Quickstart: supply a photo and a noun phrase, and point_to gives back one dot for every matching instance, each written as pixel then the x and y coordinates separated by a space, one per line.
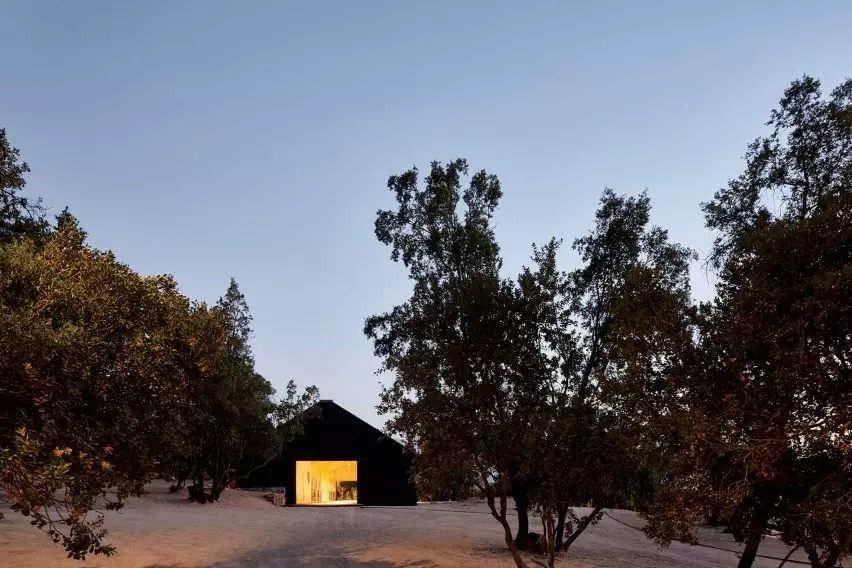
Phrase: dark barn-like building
pixel 340 460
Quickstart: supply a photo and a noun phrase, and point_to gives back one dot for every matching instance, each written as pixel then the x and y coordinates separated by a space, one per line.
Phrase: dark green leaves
pixel 109 378
pixel 753 417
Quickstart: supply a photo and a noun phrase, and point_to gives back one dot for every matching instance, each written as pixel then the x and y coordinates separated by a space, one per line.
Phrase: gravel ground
pixel 162 530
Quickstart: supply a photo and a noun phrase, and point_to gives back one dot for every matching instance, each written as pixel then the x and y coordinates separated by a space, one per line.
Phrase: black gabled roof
pixel 332 413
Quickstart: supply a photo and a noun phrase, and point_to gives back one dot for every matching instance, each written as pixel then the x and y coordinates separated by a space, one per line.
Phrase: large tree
pixel 109 379
pixel 589 455
pixel 89 379
pixel 503 374
pixel 756 412
pixel 235 425
pixel 456 348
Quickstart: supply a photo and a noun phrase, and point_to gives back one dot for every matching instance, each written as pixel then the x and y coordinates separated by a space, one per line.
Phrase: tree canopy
pixel 755 412
pixel 504 372
pixel 19 214
pixel 107 377
pixel 604 385
pixel 608 385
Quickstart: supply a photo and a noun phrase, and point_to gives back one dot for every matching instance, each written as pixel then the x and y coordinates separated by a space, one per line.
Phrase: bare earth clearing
pixel 244 531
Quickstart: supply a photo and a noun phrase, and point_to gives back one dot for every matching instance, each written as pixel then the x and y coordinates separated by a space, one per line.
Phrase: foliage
pixel 438 479
pixel 19 215
pixel 109 379
pixel 504 374
pixel 452 346
pixel 87 381
pixel 756 412
pixel 234 425
pixel 604 386
pixel 589 454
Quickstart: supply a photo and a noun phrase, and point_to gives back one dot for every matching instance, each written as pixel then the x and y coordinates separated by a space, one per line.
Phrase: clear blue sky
pixel 209 139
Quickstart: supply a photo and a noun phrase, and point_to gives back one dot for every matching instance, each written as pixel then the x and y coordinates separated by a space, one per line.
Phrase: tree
pixel 455 347
pixel 502 374
pixel 236 427
pixel 588 453
pixel 19 215
pixel 87 372
pixel 109 379
pixel 757 410
pixel 88 382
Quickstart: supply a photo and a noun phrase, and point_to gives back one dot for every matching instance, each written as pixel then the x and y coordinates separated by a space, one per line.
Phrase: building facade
pixel 340 460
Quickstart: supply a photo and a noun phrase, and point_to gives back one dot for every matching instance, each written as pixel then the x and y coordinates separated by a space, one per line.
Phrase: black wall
pixel 338 435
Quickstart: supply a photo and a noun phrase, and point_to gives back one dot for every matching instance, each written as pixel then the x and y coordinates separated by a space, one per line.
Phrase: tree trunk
pixel 197 493
pixel 813 557
pixel 513 549
pixel 215 490
pixel 583 526
pixel 833 555
pixel 550 530
pixel 755 535
pixel 214 467
pixel 507 530
pixel 520 492
pixel 830 561
pixel 218 485
pixel 202 494
pixel 179 484
pixel 561 513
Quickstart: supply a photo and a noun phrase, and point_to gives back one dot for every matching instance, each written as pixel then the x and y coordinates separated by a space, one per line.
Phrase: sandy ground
pixel 162 530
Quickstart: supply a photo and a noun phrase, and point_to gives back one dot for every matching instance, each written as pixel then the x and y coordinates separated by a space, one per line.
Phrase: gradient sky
pixel 254 139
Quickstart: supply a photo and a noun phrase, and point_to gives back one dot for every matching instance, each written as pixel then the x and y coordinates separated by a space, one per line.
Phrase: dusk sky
pixel 254 139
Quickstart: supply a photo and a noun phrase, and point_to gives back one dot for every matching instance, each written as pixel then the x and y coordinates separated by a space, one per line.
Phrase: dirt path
pixel 162 530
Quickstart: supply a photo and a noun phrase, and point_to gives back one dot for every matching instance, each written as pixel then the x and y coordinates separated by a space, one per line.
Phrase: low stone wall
pixel 273 494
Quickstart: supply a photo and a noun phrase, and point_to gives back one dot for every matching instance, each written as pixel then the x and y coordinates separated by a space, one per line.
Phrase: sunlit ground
pixel 337 503
pixel 163 530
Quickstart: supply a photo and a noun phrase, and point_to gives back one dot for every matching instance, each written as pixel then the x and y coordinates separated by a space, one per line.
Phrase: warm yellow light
pixel 326 483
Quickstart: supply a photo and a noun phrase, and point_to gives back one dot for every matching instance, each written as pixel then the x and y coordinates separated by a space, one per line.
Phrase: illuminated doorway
pixel 326 482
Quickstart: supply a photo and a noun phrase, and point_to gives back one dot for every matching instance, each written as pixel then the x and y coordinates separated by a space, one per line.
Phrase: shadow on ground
pixel 492 551
pixel 286 557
